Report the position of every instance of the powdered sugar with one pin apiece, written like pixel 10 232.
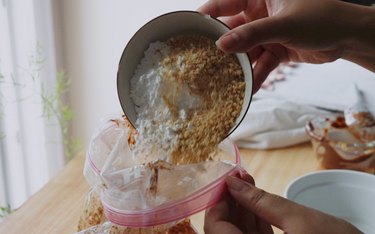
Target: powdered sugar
pixel 161 105
pixel 188 95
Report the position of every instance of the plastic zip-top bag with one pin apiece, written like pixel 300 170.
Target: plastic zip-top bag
pixel 102 144
pixel 157 192
pixel 93 213
pixel 152 195
pixel 99 151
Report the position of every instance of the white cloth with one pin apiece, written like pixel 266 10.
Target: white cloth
pixel 331 86
pixel 274 123
pixel 277 118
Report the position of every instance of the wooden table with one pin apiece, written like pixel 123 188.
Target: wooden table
pixel 57 206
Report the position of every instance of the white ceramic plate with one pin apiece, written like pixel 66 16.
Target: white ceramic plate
pixel 349 195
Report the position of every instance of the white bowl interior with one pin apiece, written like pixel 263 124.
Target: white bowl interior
pixel 162 28
pixel 342 193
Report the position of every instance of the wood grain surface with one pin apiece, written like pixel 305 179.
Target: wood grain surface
pixel 57 206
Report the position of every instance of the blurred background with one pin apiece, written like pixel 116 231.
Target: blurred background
pixel 58 64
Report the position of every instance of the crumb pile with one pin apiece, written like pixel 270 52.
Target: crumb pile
pixel 93 213
pixel 188 95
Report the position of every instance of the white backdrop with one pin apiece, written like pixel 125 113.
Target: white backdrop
pixel 94 36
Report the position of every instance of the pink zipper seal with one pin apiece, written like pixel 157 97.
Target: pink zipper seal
pixel 200 200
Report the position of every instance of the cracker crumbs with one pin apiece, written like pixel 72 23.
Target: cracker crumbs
pixel 216 78
pixel 188 95
pixel 132 132
pixel 183 227
pixel 93 213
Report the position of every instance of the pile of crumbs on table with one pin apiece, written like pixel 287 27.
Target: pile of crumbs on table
pixel 188 96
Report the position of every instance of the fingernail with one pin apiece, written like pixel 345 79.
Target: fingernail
pixel 236 184
pixel 228 42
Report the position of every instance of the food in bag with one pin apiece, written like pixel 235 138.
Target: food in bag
pixel 93 212
pixel 98 154
pixel 159 192
pixel 188 96
pixel 182 227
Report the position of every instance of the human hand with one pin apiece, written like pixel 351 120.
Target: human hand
pixel 276 31
pixel 252 210
pixel 229 217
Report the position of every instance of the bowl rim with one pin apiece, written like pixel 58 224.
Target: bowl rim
pixel 327 173
pixel 325 183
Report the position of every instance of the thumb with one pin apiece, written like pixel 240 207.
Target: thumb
pixel 269 207
pixel 247 36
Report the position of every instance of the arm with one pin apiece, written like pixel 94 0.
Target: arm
pixel 360 41
pixel 276 31
pixel 362 2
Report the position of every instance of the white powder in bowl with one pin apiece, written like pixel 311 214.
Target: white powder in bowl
pixel 188 95
pixel 156 123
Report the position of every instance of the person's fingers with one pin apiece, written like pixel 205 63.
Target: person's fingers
pixel 262 31
pixel 217 218
pixel 218 212
pixel 255 53
pixel 215 226
pixel 282 213
pixel 246 216
pixel 245 220
pixel 265 63
pixel 234 21
pixel 271 208
pixel 247 177
pixel 218 8
pixel 263 226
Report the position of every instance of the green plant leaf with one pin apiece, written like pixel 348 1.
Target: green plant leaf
pixel 5 211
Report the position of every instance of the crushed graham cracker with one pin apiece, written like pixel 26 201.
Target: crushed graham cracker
pixel 218 79
pixel 93 212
